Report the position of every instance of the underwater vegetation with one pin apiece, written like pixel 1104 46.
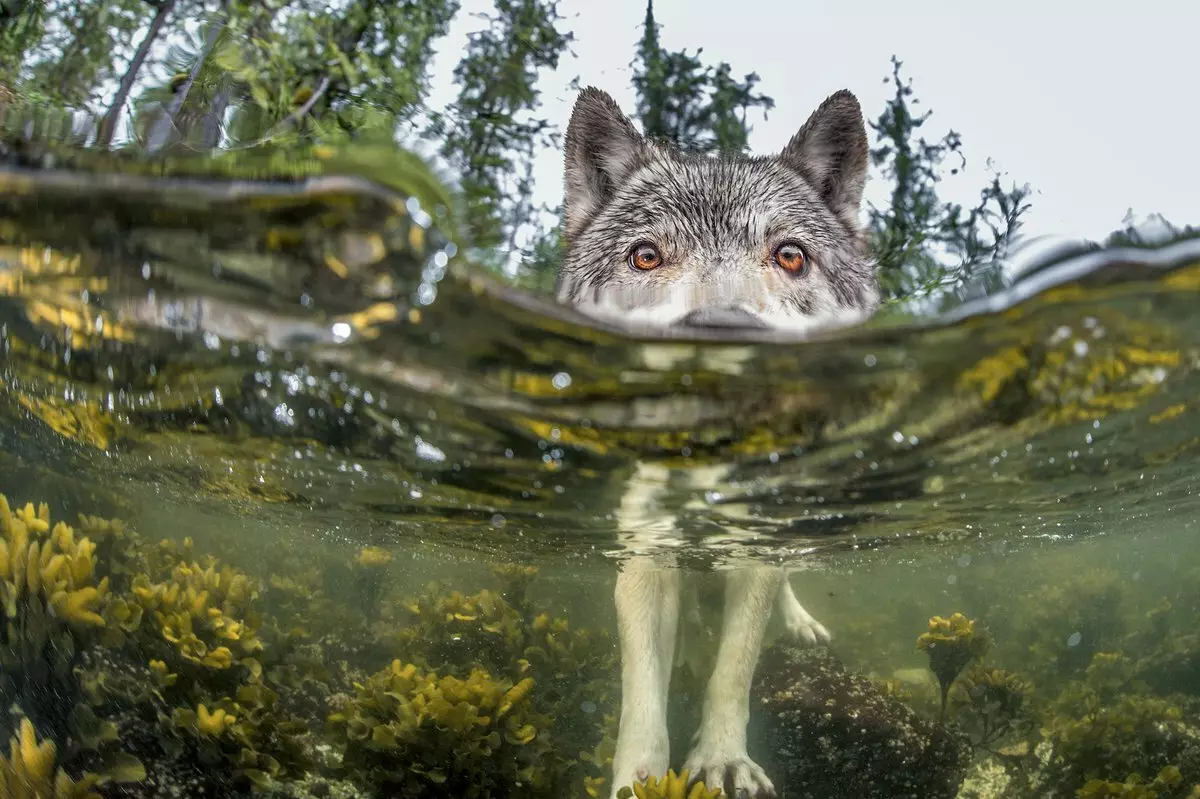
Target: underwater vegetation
pixel 416 734
pixel 28 772
pixel 132 667
pixel 671 786
pixel 1105 733
pixel 951 644
pixel 154 669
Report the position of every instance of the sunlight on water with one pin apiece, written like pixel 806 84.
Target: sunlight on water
pixel 306 380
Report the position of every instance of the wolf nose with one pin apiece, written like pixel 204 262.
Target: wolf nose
pixel 721 317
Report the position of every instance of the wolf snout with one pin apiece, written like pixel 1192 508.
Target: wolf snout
pixel 729 317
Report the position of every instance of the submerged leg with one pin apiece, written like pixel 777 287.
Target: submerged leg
pixel 719 756
pixel 647 598
pixel 799 622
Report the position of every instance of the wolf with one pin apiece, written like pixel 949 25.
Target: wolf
pixel 661 238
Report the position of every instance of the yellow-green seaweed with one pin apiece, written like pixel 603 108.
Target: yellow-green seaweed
pixel 951 644
pixel 29 771
pixel 671 786
pixel 1132 787
pixel 439 735
pixel 47 577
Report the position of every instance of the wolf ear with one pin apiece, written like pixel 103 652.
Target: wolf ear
pixel 602 148
pixel 831 152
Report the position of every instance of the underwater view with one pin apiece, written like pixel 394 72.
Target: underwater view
pixel 310 487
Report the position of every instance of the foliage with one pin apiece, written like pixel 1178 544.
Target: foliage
pixel 1105 728
pixel 175 664
pixel 926 247
pixel 1132 787
pixel 695 107
pixel 29 771
pixel 489 135
pixel 994 704
pixel 505 634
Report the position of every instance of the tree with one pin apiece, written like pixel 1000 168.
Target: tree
pixel 927 249
pixel 492 133
pixel 108 125
pixel 679 100
pixel 728 106
pixel 74 59
pixel 22 24
pixel 369 58
pixel 166 125
pixel 690 105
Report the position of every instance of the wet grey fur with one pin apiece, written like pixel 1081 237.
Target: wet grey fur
pixel 716 220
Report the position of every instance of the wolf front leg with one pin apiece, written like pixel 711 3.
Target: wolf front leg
pixel 800 624
pixel 647 598
pixel 719 756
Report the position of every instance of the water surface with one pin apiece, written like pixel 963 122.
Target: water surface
pixel 306 379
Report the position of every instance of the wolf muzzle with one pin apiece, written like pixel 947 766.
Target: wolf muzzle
pixel 722 317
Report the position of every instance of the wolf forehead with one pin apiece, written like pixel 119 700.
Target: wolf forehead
pixel 716 206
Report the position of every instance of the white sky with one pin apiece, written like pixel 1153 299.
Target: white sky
pixel 1092 103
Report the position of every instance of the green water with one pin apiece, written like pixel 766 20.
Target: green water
pixel 340 451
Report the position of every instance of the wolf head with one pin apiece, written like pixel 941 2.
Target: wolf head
pixel 663 238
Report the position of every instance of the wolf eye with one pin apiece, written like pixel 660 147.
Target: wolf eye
pixel 645 256
pixel 789 256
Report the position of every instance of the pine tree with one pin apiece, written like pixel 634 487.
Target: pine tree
pixel 492 132
pixel 929 250
pixel 728 107
pixel 692 106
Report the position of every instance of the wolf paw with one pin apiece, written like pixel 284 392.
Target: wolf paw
pixel 730 769
pixel 800 624
pixel 639 756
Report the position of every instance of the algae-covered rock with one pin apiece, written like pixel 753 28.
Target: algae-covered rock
pixel 823 731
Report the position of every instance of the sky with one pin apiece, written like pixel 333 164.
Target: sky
pixel 1086 102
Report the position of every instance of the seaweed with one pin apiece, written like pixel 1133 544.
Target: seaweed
pixel 994 705
pixel 671 786
pixel 413 733
pixel 149 668
pixel 951 644
pixel 29 771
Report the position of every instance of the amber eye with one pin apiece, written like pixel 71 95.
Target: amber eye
pixel 645 256
pixel 789 256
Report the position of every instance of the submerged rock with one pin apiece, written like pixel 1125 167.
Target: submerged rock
pixel 823 732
